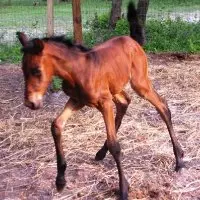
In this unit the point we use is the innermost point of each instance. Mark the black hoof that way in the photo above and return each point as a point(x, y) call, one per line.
point(101, 154)
point(180, 154)
point(60, 183)
point(179, 166)
point(124, 192)
point(123, 196)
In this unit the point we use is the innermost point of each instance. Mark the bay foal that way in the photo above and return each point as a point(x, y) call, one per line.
point(96, 78)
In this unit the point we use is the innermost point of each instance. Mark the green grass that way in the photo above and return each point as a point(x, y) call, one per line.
point(20, 2)
point(10, 16)
point(56, 84)
point(10, 53)
point(173, 3)
point(162, 36)
point(165, 36)
point(23, 13)
point(104, 3)
point(173, 36)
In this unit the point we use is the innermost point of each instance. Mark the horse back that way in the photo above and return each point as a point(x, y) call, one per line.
point(114, 60)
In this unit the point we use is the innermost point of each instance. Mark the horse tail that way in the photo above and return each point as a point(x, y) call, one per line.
point(136, 30)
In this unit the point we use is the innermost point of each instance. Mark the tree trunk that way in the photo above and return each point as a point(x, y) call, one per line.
point(115, 13)
point(142, 8)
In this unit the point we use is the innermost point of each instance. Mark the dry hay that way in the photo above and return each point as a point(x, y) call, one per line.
point(27, 154)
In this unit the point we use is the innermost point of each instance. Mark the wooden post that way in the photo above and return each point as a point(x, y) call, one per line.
point(76, 10)
point(50, 18)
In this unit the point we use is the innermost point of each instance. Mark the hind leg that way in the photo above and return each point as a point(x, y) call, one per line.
point(121, 101)
point(145, 90)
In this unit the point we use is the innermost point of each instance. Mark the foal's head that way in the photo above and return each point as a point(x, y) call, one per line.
point(37, 70)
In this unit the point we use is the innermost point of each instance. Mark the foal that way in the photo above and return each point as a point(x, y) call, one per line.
point(96, 78)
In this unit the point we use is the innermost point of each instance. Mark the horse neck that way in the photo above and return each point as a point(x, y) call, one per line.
point(65, 61)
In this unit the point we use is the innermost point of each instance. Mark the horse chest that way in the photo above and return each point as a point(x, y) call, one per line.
point(81, 95)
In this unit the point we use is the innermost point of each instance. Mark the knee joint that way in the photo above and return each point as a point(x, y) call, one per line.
point(56, 126)
point(114, 148)
point(165, 108)
point(167, 112)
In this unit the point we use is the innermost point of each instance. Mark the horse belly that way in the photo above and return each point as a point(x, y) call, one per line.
point(119, 78)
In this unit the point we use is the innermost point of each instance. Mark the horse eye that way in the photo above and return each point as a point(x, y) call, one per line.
point(35, 72)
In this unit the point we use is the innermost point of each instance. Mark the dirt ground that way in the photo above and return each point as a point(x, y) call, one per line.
point(27, 154)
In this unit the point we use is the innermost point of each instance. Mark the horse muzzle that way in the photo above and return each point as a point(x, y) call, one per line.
point(33, 105)
point(34, 102)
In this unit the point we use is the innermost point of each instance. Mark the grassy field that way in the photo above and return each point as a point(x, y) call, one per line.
point(23, 14)
point(165, 36)
point(153, 3)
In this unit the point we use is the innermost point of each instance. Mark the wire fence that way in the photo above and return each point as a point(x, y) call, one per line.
point(30, 16)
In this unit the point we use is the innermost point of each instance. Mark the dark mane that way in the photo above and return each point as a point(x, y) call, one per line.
point(67, 42)
point(33, 47)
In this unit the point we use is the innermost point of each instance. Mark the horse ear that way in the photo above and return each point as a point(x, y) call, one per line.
point(38, 45)
point(22, 38)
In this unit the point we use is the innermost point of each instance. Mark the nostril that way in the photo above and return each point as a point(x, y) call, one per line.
point(32, 106)
point(29, 104)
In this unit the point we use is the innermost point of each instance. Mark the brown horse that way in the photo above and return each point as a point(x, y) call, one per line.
point(96, 78)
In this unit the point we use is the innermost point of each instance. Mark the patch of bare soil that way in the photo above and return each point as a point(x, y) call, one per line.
point(27, 154)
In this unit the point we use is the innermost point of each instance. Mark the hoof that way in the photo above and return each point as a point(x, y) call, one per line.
point(124, 192)
point(60, 183)
point(124, 196)
point(179, 166)
point(181, 153)
point(101, 154)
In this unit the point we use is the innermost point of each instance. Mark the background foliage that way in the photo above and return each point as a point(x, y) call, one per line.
point(172, 25)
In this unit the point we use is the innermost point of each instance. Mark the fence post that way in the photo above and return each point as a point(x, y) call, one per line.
point(76, 10)
point(50, 18)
